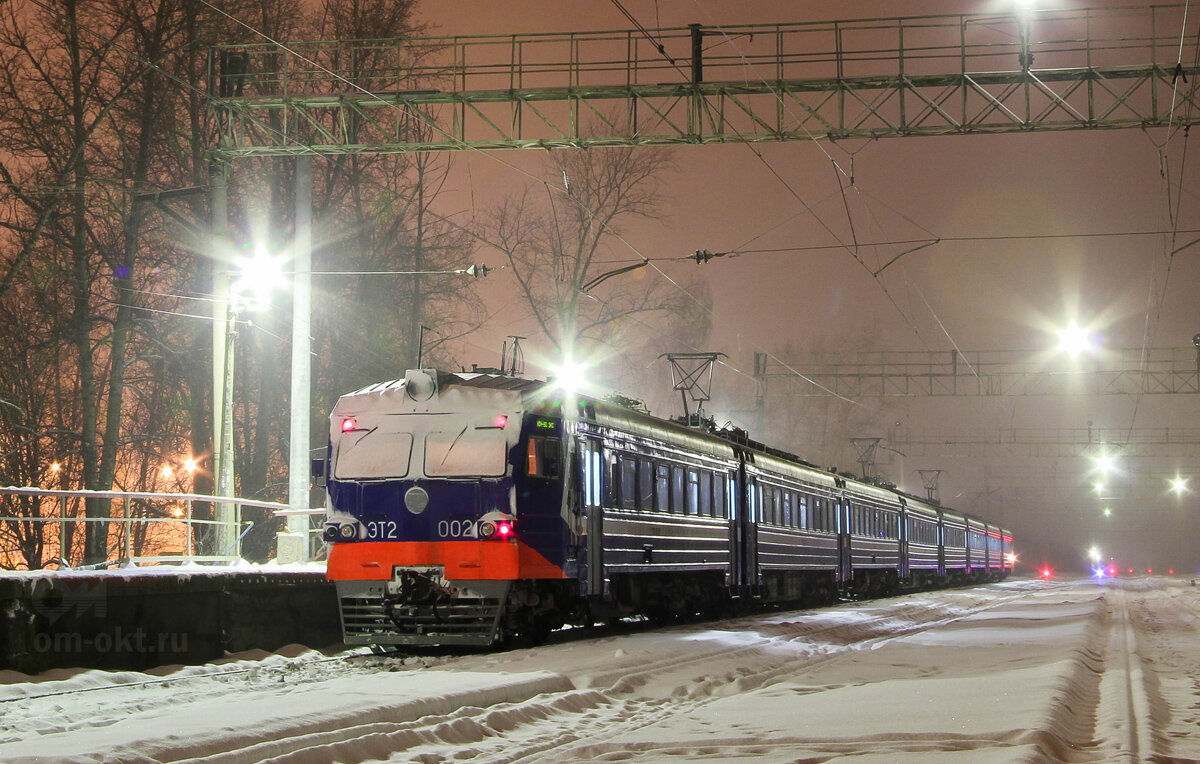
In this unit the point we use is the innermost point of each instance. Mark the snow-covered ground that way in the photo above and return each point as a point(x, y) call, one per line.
point(1027, 670)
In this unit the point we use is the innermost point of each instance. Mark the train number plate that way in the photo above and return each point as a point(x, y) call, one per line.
point(382, 530)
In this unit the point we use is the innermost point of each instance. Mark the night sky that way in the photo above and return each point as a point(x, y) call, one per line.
point(981, 288)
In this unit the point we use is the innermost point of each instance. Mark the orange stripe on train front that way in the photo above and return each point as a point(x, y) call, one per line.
point(462, 560)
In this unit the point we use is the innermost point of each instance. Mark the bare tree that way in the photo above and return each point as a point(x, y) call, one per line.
point(579, 282)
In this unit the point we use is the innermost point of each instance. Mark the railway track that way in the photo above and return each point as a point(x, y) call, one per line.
point(1108, 670)
point(601, 702)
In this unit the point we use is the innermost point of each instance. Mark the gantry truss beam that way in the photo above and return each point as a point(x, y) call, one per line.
point(1055, 443)
point(980, 373)
point(929, 75)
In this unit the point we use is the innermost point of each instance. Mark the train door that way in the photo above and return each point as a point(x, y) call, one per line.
point(734, 509)
point(751, 516)
point(941, 542)
point(744, 532)
point(845, 559)
point(591, 476)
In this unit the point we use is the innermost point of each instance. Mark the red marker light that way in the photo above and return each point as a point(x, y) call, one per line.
point(501, 421)
point(1149, 571)
point(1047, 572)
point(1171, 572)
point(1112, 570)
point(349, 424)
point(504, 529)
point(1131, 571)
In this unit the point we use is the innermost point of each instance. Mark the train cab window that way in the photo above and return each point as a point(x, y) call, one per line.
point(476, 452)
point(366, 454)
point(678, 481)
point(646, 485)
point(627, 485)
point(662, 487)
point(542, 457)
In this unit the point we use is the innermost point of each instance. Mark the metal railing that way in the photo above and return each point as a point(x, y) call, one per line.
point(169, 525)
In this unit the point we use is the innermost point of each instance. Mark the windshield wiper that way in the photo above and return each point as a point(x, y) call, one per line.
point(453, 443)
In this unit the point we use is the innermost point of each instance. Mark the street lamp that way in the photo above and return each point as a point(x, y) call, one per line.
point(570, 375)
point(1074, 340)
point(250, 291)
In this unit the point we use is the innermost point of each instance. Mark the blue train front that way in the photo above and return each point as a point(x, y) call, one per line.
point(446, 510)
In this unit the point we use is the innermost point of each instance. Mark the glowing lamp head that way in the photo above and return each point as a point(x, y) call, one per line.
point(1047, 572)
point(1074, 340)
point(570, 376)
point(349, 424)
point(504, 529)
point(1112, 570)
point(500, 421)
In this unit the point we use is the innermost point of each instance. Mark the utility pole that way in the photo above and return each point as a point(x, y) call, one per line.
point(224, 533)
point(292, 546)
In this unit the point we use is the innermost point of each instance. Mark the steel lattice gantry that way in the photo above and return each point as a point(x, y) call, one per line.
point(931, 75)
point(1054, 443)
point(981, 373)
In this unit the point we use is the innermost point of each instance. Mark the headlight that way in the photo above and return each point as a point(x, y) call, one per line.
point(348, 531)
point(331, 532)
point(487, 529)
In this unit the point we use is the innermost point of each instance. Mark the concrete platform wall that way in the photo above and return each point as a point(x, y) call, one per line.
point(114, 620)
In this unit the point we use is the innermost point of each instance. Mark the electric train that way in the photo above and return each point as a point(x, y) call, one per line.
point(466, 508)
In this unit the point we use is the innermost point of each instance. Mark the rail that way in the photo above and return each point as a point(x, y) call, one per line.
point(148, 527)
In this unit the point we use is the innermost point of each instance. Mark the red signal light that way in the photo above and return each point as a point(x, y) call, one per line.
point(349, 424)
point(1131, 571)
point(1112, 570)
point(1149, 571)
point(1171, 572)
point(1047, 572)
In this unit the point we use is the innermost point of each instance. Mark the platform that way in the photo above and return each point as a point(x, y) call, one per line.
point(143, 617)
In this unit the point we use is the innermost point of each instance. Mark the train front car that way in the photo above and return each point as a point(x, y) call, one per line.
point(445, 511)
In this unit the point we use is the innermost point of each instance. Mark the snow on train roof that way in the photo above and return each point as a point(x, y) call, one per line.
point(648, 424)
point(479, 379)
